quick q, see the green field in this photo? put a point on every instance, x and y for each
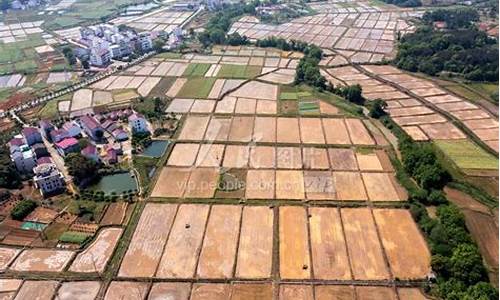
(308, 107)
(196, 70)
(74, 237)
(467, 155)
(49, 110)
(285, 95)
(196, 88)
(237, 71)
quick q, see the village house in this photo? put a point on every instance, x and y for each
(68, 145)
(24, 158)
(48, 179)
(73, 129)
(31, 135)
(46, 128)
(58, 135)
(91, 127)
(137, 123)
(90, 152)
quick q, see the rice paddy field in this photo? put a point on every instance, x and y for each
(467, 155)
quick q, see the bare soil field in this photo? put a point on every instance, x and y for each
(336, 292)
(295, 291)
(96, 256)
(252, 291)
(210, 155)
(267, 107)
(218, 252)
(287, 130)
(146, 247)
(255, 250)
(179, 105)
(42, 260)
(245, 106)
(288, 158)
(295, 262)
(171, 183)
(368, 162)
(336, 132)
(319, 185)
(315, 158)
(176, 87)
(329, 254)
(37, 290)
(349, 186)
(226, 105)
(218, 129)
(364, 250)
(236, 156)
(262, 157)
(169, 290)
(202, 183)
(379, 187)
(126, 290)
(7, 256)
(81, 290)
(378, 293)
(411, 294)
(342, 159)
(182, 249)
(406, 249)
(358, 133)
(115, 213)
(416, 133)
(260, 184)
(311, 131)
(442, 131)
(183, 155)
(241, 129)
(289, 185)
(194, 128)
(264, 130)
(257, 90)
(203, 106)
(214, 291)
(147, 85)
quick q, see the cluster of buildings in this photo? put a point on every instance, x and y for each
(25, 4)
(104, 42)
(31, 157)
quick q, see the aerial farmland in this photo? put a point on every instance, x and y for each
(287, 160)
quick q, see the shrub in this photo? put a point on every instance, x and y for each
(22, 209)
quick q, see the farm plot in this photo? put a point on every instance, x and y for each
(218, 129)
(81, 99)
(287, 130)
(81, 290)
(183, 246)
(257, 90)
(194, 128)
(35, 289)
(42, 260)
(405, 248)
(196, 88)
(467, 155)
(96, 256)
(9, 287)
(262, 157)
(319, 185)
(365, 252)
(260, 184)
(115, 214)
(169, 290)
(119, 290)
(7, 256)
(145, 249)
(238, 71)
(295, 262)
(171, 183)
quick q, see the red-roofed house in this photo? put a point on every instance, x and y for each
(68, 145)
(91, 127)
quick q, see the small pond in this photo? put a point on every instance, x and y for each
(119, 183)
(156, 148)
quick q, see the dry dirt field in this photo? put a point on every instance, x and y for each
(42, 260)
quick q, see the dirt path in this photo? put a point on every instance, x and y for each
(483, 225)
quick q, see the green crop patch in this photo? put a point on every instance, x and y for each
(308, 107)
(238, 71)
(467, 155)
(74, 237)
(196, 70)
(196, 88)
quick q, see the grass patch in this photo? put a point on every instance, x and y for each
(145, 166)
(5, 93)
(289, 96)
(74, 237)
(196, 88)
(196, 70)
(169, 55)
(238, 71)
(308, 107)
(54, 231)
(49, 110)
(467, 155)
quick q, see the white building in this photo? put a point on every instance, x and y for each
(48, 179)
(24, 158)
(145, 41)
(137, 123)
(100, 57)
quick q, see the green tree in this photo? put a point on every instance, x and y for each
(377, 108)
(353, 93)
(22, 209)
(81, 167)
(466, 264)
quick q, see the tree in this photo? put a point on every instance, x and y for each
(482, 291)
(466, 264)
(22, 209)
(158, 45)
(81, 167)
(377, 108)
(68, 53)
(353, 93)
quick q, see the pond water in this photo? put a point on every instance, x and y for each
(156, 148)
(118, 183)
